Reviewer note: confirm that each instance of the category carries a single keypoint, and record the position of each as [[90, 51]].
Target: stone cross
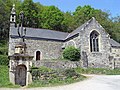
[[20, 26]]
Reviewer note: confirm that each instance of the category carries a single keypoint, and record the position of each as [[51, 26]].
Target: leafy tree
[[51, 18], [40, 9], [30, 12], [82, 14], [5, 8], [68, 24]]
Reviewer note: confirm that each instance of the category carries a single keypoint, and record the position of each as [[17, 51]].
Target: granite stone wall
[[48, 49], [57, 64], [93, 59]]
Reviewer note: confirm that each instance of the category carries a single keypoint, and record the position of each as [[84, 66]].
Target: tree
[[68, 24], [52, 18], [5, 8], [31, 13], [82, 14]]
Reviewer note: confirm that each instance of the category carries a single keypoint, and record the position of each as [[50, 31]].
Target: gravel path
[[96, 82]]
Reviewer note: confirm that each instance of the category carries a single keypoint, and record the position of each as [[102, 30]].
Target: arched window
[[37, 55], [94, 41]]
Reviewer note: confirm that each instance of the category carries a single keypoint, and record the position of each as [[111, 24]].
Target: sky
[[111, 6]]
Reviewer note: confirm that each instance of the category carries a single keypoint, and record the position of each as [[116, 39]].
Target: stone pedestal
[[20, 68], [20, 64]]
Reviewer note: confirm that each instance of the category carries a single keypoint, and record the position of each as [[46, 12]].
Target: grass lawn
[[4, 77], [98, 71]]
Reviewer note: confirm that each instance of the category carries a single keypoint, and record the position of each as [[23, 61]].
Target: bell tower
[[13, 16]]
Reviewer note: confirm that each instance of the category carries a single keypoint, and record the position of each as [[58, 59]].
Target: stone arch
[[94, 41], [21, 75], [71, 43]]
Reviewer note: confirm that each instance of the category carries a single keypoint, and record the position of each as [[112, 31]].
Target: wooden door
[[20, 75]]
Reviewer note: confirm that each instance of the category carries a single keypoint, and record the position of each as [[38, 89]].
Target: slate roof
[[42, 33], [56, 35], [114, 43], [79, 29]]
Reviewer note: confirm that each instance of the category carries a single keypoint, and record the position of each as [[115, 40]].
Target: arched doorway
[[38, 55], [20, 75]]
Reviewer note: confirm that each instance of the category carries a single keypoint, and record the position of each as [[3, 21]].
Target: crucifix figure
[[20, 26]]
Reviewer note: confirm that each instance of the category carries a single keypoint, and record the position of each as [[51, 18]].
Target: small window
[[37, 55]]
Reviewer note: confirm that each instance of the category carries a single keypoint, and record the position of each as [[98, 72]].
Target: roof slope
[[114, 43], [56, 35], [79, 28], [42, 33]]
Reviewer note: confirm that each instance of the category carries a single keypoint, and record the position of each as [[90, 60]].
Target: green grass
[[45, 77], [98, 71], [4, 77], [55, 82]]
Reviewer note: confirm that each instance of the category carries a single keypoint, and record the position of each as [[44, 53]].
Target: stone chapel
[[97, 49]]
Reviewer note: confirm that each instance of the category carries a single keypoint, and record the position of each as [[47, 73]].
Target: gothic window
[[94, 41], [37, 55]]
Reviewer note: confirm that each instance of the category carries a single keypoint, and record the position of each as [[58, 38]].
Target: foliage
[[4, 60], [71, 73], [3, 53], [98, 71], [51, 18], [71, 53], [30, 11], [4, 77], [48, 77], [68, 24]]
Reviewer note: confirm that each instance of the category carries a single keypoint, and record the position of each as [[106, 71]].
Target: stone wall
[[59, 64], [115, 51], [49, 49], [73, 42], [117, 62]]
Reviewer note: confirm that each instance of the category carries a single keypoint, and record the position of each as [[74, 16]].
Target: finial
[[93, 18], [13, 5], [13, 15], [13, 9]]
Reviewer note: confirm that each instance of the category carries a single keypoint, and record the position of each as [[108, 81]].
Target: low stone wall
[[116, 62], [59, 64]]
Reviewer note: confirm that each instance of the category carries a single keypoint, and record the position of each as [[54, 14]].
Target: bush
[[38, 72], [71, 73], [71, 53], [4, 60]]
